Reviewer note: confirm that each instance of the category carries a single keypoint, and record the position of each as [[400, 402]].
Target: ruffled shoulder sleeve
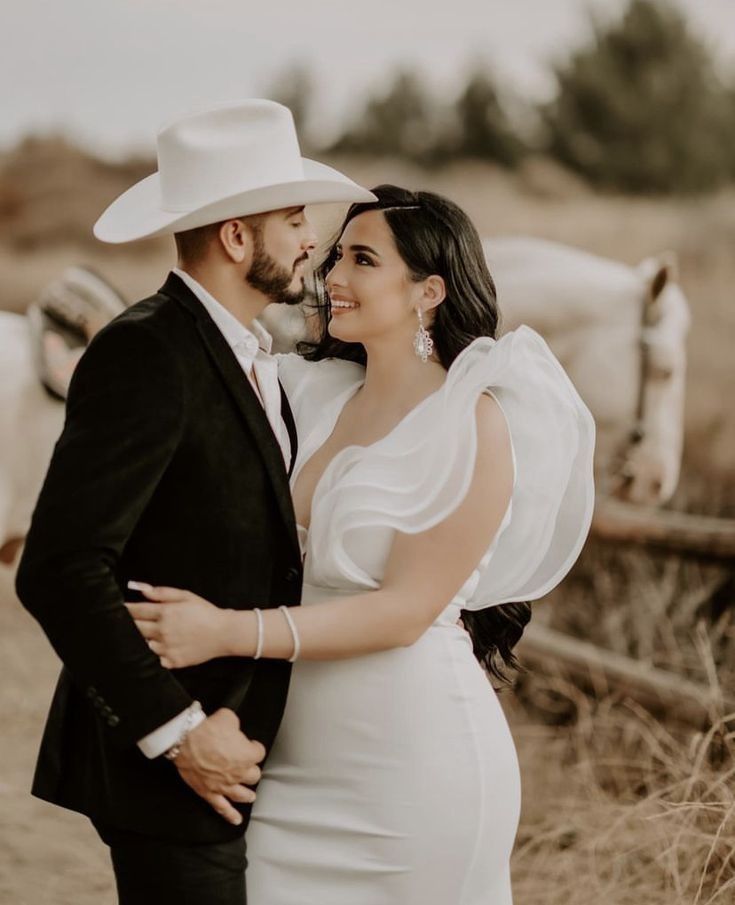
[[417, 475], [553, 437]]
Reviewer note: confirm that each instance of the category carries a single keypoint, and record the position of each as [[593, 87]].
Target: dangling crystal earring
[[423, 344]]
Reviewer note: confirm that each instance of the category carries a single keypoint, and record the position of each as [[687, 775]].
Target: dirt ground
[[46, 855]]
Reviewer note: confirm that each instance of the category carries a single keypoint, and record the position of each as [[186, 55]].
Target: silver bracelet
[[294, 634], [259, 645], [175, 749]]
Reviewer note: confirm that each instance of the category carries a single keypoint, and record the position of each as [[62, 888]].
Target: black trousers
[[152, 871]]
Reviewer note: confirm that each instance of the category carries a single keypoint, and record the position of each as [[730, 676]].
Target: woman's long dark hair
[[434, 236]]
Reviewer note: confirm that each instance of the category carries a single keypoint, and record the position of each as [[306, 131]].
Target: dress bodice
[[417, 475]]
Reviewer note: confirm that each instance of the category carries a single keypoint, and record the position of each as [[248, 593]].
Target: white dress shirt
[[252, 350]]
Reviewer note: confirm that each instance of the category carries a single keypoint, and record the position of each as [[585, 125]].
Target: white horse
[[618, 330], [30, 423], [39, 351], [620, 333]]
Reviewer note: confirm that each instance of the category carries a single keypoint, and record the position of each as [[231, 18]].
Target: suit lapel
[[243, 394]]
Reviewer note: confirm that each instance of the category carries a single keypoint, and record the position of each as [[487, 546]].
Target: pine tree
[[482, 124], [402, 121], [642, 109]]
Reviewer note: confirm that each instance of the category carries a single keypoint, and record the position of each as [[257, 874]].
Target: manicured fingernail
[[139, 586]]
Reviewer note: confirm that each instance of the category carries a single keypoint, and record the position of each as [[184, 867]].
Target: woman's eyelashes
[[360, 258]]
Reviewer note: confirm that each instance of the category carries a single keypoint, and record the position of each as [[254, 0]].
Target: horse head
[[646, 468]]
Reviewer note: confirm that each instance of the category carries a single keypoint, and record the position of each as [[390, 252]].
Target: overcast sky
[[110, 73]]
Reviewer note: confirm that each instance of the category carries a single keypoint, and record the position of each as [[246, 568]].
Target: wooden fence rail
[[676, 532], [604, 671]]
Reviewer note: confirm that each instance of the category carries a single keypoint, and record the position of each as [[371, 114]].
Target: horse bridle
[[637, 433]]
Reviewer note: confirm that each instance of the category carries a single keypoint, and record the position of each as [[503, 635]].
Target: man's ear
[[434, 292], [236, 240]]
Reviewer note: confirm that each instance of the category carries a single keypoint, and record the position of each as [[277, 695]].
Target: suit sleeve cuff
[[160, 740]]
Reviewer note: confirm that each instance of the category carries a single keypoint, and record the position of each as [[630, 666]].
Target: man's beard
[[269, 277]]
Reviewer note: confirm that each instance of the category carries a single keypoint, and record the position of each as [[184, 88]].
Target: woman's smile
[[341, 306]]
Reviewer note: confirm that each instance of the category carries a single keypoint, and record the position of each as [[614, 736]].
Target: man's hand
[[217, 759]]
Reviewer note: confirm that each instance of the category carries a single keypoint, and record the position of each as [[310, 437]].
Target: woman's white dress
[[394, 778]]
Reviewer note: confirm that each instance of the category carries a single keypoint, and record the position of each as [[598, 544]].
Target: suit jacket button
[[292, 574], [91, 692], [113, 721], [107, 710]]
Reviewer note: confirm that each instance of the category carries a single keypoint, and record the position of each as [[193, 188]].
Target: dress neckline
[[331, 422]]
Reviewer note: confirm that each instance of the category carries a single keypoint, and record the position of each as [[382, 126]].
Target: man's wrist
[[163, 737], [194, 717]]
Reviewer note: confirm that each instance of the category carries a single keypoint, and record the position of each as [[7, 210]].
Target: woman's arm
[[423, 574]]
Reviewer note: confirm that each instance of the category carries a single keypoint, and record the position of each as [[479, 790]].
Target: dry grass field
[[620, 807]]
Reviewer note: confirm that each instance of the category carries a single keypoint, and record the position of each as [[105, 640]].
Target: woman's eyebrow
[[366, 248]]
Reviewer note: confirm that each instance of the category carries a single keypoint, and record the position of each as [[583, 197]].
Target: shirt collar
[[243, 341]]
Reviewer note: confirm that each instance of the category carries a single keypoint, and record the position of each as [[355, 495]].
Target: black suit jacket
[[167, 471]]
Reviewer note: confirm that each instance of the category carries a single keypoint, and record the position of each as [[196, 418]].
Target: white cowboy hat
[[228, 162]]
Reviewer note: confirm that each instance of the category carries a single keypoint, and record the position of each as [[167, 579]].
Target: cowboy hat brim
[[137, 213]]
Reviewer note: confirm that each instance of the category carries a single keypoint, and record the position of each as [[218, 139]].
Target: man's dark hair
[[192, 244]]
